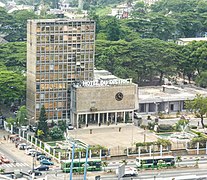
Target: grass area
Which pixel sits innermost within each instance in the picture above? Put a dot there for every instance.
(51, 143)
(103, 11)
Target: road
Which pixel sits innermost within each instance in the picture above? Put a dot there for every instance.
(13, 154)
(23, 161)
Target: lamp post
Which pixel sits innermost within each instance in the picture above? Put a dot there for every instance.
(33, 164)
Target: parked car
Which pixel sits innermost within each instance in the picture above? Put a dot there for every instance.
(34, 129)
(70, 127)
(28, 147)
(46, 162)
(40, 157)
(37, 153)
(30, 151)
(22, 146)
(4, 159)
(35, 172)
(41, 168)
(24, 128)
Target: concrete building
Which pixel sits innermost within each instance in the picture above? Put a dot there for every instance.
(166, 98)
(59, 52)
(105, 100)
(185, 41)
(150, 2)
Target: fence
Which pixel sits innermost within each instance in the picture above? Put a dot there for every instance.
(58, 154)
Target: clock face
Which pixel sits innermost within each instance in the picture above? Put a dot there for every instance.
(119, 96)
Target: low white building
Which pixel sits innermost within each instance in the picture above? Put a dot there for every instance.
(185, 41)
(21, 7)
(166, 98)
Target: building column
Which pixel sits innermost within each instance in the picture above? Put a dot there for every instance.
(115, 117)
(132, 116)
(98, 118)
(94, 117)
(147, 107)
(72, 118)
(86, 118)
(124, 117)
(103, 116)
(77, 123)
(107, 117)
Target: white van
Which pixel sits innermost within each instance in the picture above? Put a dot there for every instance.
(128, 172)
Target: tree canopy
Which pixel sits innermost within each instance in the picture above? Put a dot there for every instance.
(198, 106)
(42, 123)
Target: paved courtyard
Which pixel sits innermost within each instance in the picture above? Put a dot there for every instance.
(122, 135)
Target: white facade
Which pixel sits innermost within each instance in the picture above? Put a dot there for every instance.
(185, 41)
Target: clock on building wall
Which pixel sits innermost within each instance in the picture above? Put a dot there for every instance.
(119, 96)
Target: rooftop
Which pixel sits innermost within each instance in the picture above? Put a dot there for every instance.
(103, 74)
(193, 39)
(169, 93)
(59, 20)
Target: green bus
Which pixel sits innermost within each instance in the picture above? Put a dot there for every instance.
(155, 162)
(78, 165)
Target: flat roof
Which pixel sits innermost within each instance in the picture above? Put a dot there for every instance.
(103, 74)
(167, 93)
(193, 39)
(59, 20)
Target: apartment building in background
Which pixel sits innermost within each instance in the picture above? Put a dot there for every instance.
(59, 52)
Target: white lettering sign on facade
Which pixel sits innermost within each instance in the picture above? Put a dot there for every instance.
(103, 82)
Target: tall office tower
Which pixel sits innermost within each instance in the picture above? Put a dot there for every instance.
(59, 52)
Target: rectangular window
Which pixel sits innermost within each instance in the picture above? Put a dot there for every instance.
(42, 96)
(172, 107)
(51, 67)
(37, 106)
(38, 87)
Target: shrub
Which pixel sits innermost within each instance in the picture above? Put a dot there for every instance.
(193, 127)
(56, 133)
(151, 125)
(165, 128)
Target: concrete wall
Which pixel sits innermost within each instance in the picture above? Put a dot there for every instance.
(103, 98)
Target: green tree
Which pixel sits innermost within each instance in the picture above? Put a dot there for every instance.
(12, 86)
(202, 79)
(56, 133)
(113, 29)
(178, 160)
(199, 106)
(42, 123)
(62, 125)
(105, 164)
(13, 55)
(21, 117)
(11, 121)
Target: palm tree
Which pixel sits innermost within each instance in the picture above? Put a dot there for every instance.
(2, 170)
(104, 164)
(178, 160)
(124, 161)
(196, 164)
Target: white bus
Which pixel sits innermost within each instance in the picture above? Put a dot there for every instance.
(155, 162)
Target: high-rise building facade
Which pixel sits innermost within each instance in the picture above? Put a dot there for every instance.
(59, 52)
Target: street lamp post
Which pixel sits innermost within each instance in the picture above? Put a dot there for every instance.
(33, 164)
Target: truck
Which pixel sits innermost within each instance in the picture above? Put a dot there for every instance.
(126, 171)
